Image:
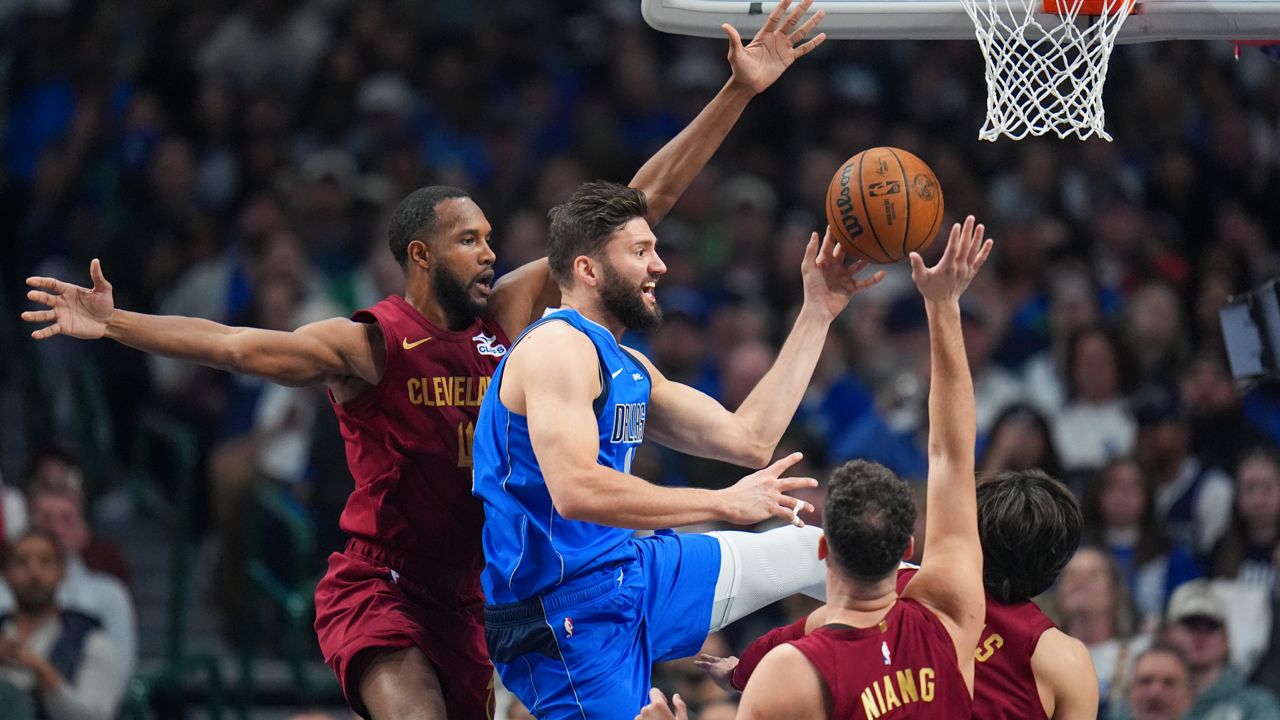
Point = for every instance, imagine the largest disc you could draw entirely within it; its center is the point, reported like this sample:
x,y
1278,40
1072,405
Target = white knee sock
x,y
760,568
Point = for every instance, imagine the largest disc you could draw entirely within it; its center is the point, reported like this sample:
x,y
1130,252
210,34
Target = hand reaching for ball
x,y
966,252
829,282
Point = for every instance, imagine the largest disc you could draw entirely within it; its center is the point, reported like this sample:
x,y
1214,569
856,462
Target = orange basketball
x,y
883,204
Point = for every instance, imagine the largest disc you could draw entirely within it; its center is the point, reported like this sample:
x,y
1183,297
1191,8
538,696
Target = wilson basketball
x,y
883,204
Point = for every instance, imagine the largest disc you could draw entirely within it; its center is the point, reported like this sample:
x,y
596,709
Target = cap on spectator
x,y
336,165
384,94
743,190
1157,404
1196,599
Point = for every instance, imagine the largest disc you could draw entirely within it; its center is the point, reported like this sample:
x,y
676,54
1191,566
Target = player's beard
x,y
626,302
454,295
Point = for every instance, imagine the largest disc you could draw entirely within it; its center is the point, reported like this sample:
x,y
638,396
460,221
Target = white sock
x,y
757,569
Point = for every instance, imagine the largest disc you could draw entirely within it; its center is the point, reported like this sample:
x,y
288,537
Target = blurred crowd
x,y
238,161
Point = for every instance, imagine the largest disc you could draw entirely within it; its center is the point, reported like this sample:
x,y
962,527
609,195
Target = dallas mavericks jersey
x,y
530,548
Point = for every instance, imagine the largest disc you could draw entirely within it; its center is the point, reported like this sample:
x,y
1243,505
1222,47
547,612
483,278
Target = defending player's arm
x,y
755,67
324,351
785,686
1064,676
557,400
520,296
950,579
687,420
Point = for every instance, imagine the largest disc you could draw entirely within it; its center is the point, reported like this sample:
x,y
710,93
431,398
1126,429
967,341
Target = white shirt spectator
x,y
1088,435
1211,512
96,690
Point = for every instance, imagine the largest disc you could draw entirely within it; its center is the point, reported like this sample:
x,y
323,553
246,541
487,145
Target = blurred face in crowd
x,y
33,572
1123,497
1161,688
1162,444
1202,640
1085,587
1258,493
1027,444
1207,388
461,264
1096,375
61,515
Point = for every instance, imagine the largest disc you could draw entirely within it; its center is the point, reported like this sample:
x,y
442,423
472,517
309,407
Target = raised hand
x,y
828,281
773,49
761,495
73,310
966,252
719,669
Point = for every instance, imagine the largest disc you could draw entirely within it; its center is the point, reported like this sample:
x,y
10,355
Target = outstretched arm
x,y
692,422
325,351
755,67
950,578
556,398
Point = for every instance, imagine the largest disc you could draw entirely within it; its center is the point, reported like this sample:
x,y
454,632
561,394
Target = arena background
x,y
238,161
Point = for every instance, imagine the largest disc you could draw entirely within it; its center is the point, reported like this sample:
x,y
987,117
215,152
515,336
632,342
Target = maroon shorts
x,y
363,605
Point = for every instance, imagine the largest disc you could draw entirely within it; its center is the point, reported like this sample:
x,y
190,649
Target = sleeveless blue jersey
x,y
530,548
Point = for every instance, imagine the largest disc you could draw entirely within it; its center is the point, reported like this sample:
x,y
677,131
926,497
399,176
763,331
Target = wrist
x,y
737,90
943,306
815,312
111,326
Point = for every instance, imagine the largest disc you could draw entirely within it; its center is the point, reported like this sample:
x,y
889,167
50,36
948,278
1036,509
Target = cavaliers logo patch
x,y
489,345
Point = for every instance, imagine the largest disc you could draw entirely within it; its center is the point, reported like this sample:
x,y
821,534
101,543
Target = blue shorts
x,y
585,649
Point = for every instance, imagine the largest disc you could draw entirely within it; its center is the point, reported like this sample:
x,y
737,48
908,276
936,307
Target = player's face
x,y
33,572
630,271
461,259
1161,689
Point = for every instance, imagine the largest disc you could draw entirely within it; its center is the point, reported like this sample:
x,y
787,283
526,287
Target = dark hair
x,y
1229,552
1049,461
1173,651
1153,542
581,225
415,215
1124,363
1030,527
868,519
27,535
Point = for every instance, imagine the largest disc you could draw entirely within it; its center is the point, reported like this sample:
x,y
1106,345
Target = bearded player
x,y
1029,525
399,612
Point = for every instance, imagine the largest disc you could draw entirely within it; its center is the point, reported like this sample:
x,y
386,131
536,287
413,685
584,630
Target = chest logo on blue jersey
x,y
489,345
628,423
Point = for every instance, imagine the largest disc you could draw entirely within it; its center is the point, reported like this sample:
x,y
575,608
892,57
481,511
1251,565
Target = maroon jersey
x,y
1004,688
902,667
408,442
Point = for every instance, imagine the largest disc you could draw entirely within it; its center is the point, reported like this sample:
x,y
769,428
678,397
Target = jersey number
x,y
466,436
988,648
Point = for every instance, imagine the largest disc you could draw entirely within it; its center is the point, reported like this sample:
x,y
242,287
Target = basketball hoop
x,y
1046,64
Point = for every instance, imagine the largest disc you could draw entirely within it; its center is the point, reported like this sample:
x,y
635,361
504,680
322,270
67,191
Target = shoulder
x,y
557,335
1060,660
786,684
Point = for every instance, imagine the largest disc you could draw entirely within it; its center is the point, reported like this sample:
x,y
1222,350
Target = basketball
x,y
883,204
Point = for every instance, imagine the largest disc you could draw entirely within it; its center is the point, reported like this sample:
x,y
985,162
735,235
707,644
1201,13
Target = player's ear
x,y
911,549
823,550
587,269
419,254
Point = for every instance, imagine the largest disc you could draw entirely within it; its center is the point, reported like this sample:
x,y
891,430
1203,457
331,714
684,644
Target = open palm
x,y
73,310
828,281
773,49
966,251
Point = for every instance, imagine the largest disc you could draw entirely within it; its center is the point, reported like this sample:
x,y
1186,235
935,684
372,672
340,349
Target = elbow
x,y
573,504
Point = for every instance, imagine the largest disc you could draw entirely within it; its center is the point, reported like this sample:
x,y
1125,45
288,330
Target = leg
x,y
760,568
401,684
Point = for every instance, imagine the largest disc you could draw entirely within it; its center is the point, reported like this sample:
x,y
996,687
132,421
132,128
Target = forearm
x,y
952,414
182,338
666,175
609,497
769,408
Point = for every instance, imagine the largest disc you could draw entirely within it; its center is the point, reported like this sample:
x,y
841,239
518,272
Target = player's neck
x,y
591,308
859,604
419,295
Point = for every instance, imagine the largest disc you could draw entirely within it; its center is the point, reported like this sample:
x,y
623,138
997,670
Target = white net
x,y
1045,71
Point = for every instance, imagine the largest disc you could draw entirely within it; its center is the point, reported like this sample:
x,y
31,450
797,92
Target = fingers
x,y
774,18
43,298
39,316
95,272
803,31
810,46
983,253
681,710
53,285
787,484
781,465
735,40
917,266
826,248
860,285
45,333
789,509
812,250
656,696
794,18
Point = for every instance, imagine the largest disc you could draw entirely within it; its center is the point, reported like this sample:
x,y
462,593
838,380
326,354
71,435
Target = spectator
x,y
57,504
59,511
61,656
1020,440
1245,552
1092,605
1161,688
13,512
1119,514
1196,625
1073,306
1094,425
1193,500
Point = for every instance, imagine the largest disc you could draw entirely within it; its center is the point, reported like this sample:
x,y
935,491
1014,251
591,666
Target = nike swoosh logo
x,y
411,345
616,373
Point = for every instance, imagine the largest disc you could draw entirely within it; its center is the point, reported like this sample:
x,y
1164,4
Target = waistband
x,y
422,571
595,586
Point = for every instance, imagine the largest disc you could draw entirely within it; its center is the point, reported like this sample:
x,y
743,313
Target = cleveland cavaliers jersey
x,y
902,667
530,547
408,438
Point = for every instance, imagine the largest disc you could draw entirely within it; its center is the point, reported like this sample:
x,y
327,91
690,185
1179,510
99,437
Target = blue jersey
x,y
530,548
